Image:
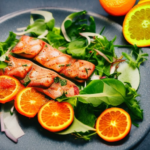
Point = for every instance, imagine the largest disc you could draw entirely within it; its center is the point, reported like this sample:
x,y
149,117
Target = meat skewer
x,y
45,80
46,55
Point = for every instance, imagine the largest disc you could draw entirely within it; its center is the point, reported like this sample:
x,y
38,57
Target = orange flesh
x,y
113,124
7,86
29,101
136,25
55,116
139,25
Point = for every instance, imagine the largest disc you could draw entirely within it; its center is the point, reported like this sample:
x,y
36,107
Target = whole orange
x,y
117,7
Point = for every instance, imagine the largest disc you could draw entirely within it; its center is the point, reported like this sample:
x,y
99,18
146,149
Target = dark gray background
x,y
9,6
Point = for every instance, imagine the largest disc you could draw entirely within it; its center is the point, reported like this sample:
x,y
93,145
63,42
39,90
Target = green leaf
x,y
56,79
3,65
11,41
110,91
84,135
39,26
55,39
76,126
85,114
77,48
132,103
63,82
68,21
136,57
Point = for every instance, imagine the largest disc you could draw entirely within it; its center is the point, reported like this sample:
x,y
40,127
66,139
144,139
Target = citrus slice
x,y
28,102
56,116
9,87
136,25
117,7
113,124
143,1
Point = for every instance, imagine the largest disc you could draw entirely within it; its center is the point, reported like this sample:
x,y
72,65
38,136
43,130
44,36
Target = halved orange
x,y
29,101
56,116
113,124
136,25
9,87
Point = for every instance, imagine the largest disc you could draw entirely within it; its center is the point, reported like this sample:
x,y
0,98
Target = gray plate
x,y
37,138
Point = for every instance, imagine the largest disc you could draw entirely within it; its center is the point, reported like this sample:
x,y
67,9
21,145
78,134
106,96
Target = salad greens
x,y
5,48
39,26
78,38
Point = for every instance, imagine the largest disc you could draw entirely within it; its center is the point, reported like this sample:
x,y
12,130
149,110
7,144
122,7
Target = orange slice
x,y
136,25
28,102
56,116
143,1
9,87
117,7
113,124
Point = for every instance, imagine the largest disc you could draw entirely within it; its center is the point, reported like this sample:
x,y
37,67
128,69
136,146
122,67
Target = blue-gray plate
x,y
36,138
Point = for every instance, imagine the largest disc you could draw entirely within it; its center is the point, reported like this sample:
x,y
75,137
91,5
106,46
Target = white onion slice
x,y
103,55
47,15
21,29
9,123
87,35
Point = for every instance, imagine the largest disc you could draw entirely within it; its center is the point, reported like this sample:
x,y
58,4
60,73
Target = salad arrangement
x,y
109,86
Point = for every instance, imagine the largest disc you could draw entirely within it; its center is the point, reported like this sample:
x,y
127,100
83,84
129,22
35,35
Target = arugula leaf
x,y
132,103
68,22
84,135
140,57
106,47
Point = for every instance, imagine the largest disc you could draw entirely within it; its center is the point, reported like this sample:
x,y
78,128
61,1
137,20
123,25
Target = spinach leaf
x,y
55,39
85,114
77,48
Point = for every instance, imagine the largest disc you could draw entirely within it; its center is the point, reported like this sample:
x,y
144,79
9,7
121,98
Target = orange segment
x,y
56,116
117,7
113,124
9,87
136,25
28,102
